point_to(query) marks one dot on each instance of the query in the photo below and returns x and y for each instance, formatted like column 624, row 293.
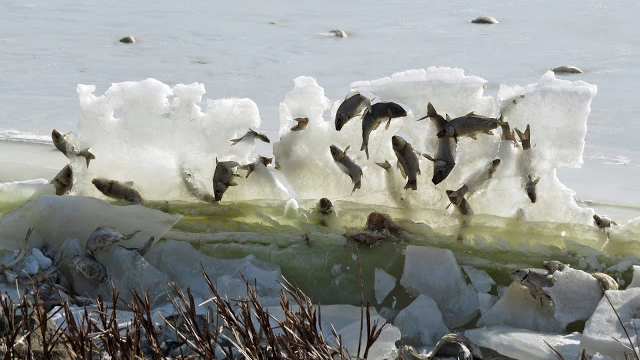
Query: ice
column 486, row 302
column 479, row 278
column 382, row 349
column 57, row 218
column 603, row 332
column 435, row 273
column 383, row 284
column 635, row 282
column 43, row 261
column 421, row 322
column 526, row 344
column 29, row 266
column 575, row 295
column 517, row 308
column 146, row 132
column 181, row 262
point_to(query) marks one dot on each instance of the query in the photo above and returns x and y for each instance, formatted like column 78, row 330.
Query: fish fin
column 375, row 126
column 235, row 141
column 614, row 222
column 447, row 117
column 527, row 132
column 536, row 180
column 388, row 123
column 366, row 151
column 232, row 183
column 356, row 185
column 87, row 155
column 500, row 121
column 344, row 152
column 402, row 172
column 471, row 114
column 277, row 166
column 473, row 136
column 422, row 118
column 431, row 111
column 441, row 134
column 385, row 165
column 129, row 183
column 429, row 157
column 413, row 185
column 216, row 159
column 489, row 132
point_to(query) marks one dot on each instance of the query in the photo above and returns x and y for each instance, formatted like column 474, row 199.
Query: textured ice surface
column 383, row 284
column 526, row 344
column 603, row 332
column 421, row 322
column 181, row 262
column 575, row 295
column 635, row 282
column 382, row 349
column 479, row 278
column 57, row 218
column 518, row 309
column 435, row 273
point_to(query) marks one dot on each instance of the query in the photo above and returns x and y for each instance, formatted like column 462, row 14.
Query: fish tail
column 356, row 185
column 234, row 141
column 87, row 155
column 411, row 184
column 431, row 111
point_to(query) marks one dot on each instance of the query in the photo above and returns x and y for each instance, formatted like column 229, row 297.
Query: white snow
column 575, row 295
column 635, row 281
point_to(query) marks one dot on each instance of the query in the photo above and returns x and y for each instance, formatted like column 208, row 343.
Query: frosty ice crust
column 146, row 132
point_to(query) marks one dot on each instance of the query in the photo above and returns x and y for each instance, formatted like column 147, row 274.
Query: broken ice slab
column 57, row 218
column 421, row 322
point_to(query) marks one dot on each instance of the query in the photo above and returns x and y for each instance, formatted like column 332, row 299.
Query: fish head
column 531, row 191
column 394, row 110
column 336, row 153
column 519, row 275
column 218, row 190
column 496, row 162
column 265, row 160
column 263, row 137
column 209, row 198
column 398, row 143
column 67, row 173
column 341, row 120
column 101, row 184
column 597, row 220
column 440, row 171
column 325, row 206
column 56, row 136
column 454, row 197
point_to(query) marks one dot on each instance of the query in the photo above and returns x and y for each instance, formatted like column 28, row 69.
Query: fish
column 301, row 124
column 103, row 237
column 379, row 113
column 251, row 135
column 602, row 222
column 534, row 280
column 352, row 105
column 90, row 268
column 347, row 165
column 196, row 187
column 485, row 20
column 567, row 70
column 457, row 199
column 62, row 143
column 63, row 182
column 553, row 265
column 252, row 166
column 525, row 138
column 444, row 161
column 223, row 177
column 408, row 159
column 117, row 190
column 530, row 187
column 480, row 177
column 469, row 125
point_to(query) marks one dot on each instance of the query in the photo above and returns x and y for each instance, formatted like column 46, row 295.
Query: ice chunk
column 434, row 272
column 603, row 332
column 181, row 262
column 635, row 282
column 575, row 295
column 382, row 349
column 134, row 127
column 383, row 284
column 517, row 308
column 479, row 278
column 421, row 322
column 29, row 266
column 57, row 218
column 43, row 261
column 526, row 344
column 486, row 302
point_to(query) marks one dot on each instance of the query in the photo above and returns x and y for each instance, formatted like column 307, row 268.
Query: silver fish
column 196, row 187
column 117, row 190
column 479, row 178
column 90, row 268
column 223, row 177
column 63, row 182
column 380, row 112
column 347, row 165
column 603, row 222
column 469, row 125
column 530, row 187
column 457, row 199
column 553, row 265
column 534, row 280
column 103, row 237
column 444, row 161
column 252, row 166
column 352, row 105
column 251, row 135
column 408, row 159
column 606, row 282
column 456, row 346
column 302, row 124
column 61, row 141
